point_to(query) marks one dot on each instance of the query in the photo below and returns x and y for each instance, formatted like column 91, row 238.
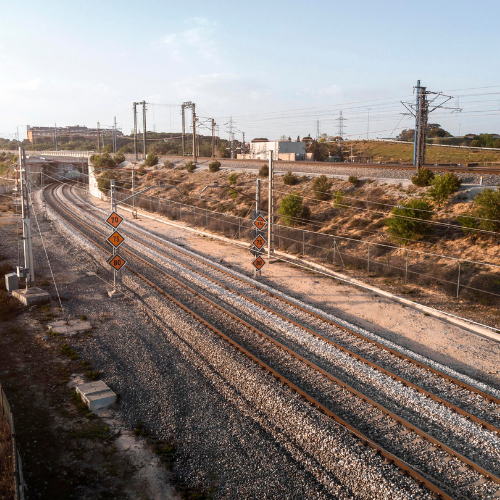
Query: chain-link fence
column 438, row 273
column 19, row 484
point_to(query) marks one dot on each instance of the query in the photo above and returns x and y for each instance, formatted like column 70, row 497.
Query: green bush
column 232, row 178
column 119, row 158
column 264, row 170
column 321, row 188
column 104, row 180
column 190, row 166
column 487, row 207
column 306, row 212
column 423, row 178
column 151, row 160
column 407, row 220
column 103, row 161
column 214, row 166
column 338, row 201
column 290, row 179
column 168, row 164
column 443, row 186
column 291, row 207
column 353, row 180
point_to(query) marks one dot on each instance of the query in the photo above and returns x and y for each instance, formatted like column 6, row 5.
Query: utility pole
column 135, row 131
column 270, row 213
column 257, row 199
column 114, row 136
column 183, row 105
column 144, row 128
column 243, row 144
column 194, row 132
column 98, row 138
column 213, row 138
column 55, row 135
column 317, row 129
column 420, row 110
column 28, row 271
column 231, row 137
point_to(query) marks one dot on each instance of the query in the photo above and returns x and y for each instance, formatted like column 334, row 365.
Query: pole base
column 115, row 294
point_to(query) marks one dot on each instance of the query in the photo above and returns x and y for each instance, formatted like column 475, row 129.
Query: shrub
column 190, row 166
column 232, row 178
column 119, row 158
column 487, row 204
column 321, row 188
column 468, row 223
column 103, row 161
column 353, row 180
column 423, row 178
column 151, row 160
column 104, row 180
column 443, row 186
column 306, row 213
column 407, row 221
column 214, row 166
column 496, row 144
column 264, row 170
column 290, row 208
column 338, row 201
column 290, row 179
column 168, row 164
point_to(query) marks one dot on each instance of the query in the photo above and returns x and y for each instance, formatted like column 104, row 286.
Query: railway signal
column 259, row 242
column 259, row 263
column 260, row 223
column 114, row 220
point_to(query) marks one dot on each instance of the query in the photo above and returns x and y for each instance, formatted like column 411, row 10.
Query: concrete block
column 70, row 327
column 96, row 395
column 11, row 282
column 32, row 296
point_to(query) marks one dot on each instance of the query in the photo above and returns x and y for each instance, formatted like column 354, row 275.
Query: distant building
column 308, row 140
column 67, row 133
column 282, row 150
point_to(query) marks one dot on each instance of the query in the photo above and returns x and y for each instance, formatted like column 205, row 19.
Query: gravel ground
column 402, row 396
column 236, row 428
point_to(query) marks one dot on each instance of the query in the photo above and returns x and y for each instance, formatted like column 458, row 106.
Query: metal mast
column 135, row 131
column 144, row 109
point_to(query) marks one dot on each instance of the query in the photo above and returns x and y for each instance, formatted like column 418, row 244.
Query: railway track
column 352, row 379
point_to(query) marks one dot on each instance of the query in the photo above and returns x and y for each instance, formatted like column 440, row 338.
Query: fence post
column 334, row 250
column 368, row 263
column 458, row 281
column 239, row 228
column 303, row 242
column 406, row 268
column 206, row 218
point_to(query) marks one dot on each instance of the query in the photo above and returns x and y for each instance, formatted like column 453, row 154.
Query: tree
column 222, row 150
column 407, row 220
column 298, row 138
column 321, row 188
column 190, row 166
column 290, row 208
column 319, row 150
column 264, row 170
column 232, row 178
column 151, row 160
column 487, row 208
column 290, row 179
column 406, row 135
column 443, row 186
column 435, row 130
column 102, row 161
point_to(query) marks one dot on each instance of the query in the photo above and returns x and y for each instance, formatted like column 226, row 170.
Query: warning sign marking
column 117, row 262
column 259, row 263
column 116, row 239
column 114, row 220
column 260, row 223
column 259, row 242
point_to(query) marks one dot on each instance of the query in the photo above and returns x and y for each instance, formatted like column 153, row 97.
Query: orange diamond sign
column 117, row 262
column 259, row 263
column 260, row 223
column 114, row 219
column 116, row 239
column 259, row 242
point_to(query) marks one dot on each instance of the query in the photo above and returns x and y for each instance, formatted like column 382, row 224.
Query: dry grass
column 6, row 462
column 403, row 153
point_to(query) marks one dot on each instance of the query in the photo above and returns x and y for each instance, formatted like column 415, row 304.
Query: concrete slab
column 96, row 395
column 70, row 327
column 115, row 294
column 32, row 296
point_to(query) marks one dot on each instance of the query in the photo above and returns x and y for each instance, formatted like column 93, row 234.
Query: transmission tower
column 420, row 109
column 340, row 126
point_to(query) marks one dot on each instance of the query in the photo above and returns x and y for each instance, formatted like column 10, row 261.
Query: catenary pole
column 270, row 214
column 144, row 129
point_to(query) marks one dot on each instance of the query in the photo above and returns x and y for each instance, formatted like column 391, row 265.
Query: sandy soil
column 432, row 337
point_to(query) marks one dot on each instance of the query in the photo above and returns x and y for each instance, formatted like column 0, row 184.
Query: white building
column 282, row 150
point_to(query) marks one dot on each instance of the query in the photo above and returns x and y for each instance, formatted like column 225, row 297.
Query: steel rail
column 339, row 382
column 407, row 468
column 395, row 353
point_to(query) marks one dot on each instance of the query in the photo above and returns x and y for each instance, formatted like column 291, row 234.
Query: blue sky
column 276, row 67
